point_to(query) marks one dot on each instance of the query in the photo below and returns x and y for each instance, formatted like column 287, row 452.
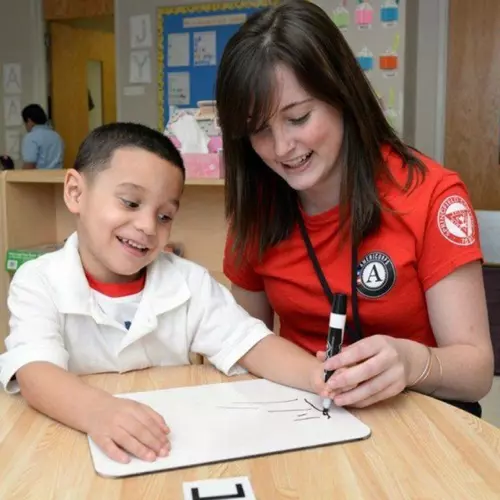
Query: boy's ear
column 74, row 185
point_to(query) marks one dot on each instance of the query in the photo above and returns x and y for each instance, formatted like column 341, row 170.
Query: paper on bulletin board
column 178, row 89
column 178, row 49
column 134, row 90
column 12, row 111
column 217, row 20
column 140, row 66
column 140, row 32
column 205, row 48
column 13, row 143
column 12, row 79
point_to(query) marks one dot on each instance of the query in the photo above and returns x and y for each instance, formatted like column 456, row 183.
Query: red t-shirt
column 433, row 232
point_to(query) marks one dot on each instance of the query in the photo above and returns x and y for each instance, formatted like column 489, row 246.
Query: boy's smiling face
column 125, row 212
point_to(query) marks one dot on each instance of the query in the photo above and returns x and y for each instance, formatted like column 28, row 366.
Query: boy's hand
column 120, row 425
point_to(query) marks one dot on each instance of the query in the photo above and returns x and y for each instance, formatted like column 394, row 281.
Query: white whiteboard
column 227, row 421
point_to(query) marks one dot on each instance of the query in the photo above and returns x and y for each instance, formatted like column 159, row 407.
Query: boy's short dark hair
column 97, row 149
column 6, row 163
column 35, row 113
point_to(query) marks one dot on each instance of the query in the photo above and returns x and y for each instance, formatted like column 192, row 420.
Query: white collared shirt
column 55, row 317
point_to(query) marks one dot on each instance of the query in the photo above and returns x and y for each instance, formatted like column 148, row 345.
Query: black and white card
column 219, row 489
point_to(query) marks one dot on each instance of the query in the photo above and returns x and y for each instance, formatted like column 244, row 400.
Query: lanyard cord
column 355, row 333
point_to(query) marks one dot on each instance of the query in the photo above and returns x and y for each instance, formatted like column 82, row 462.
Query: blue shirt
column 44, row 147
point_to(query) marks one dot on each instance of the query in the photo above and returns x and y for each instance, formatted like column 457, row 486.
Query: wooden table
column 420, row 449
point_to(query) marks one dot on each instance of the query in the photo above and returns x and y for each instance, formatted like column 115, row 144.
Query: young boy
column 111, row 301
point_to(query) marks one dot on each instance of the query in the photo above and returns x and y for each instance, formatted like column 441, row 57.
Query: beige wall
column 22, row 41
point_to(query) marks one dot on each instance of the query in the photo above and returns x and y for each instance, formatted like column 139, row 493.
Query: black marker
column 335, row 336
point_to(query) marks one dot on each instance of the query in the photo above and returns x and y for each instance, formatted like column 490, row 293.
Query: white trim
column 118, row 62
column 337, row 321
column 39, row 51
column 440, row 130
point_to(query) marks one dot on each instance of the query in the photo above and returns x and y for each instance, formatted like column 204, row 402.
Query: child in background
column 111, row 301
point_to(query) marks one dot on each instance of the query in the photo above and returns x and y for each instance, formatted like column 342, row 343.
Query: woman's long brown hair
column 261, row 207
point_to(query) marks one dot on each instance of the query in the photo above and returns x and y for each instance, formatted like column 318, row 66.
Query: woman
column 324, row 197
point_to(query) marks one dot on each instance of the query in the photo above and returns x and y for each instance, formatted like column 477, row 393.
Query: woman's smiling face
column 301, row 140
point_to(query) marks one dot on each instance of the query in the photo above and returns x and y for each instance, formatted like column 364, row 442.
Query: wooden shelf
column 36, row 176
column 57, row 177
column 205, row 182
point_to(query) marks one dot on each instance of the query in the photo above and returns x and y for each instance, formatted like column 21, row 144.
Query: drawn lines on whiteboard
column 308, row 411
column 265, row 402
column 239, row 407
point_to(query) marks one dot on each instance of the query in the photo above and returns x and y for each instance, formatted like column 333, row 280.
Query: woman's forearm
column 457, row 372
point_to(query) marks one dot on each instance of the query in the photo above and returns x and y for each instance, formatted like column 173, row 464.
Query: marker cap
column 339, row 305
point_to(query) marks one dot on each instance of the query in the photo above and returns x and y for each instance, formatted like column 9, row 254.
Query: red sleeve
column 241, row 273
column 451, row 235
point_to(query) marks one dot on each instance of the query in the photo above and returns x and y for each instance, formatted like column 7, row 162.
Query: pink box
column 203, row 165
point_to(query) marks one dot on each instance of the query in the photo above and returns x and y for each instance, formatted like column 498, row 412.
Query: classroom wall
column 423, row 92
column 430, row 76
column 21, row 41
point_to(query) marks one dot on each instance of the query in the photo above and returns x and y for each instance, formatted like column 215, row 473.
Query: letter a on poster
column 12, row 111
column 12, row 79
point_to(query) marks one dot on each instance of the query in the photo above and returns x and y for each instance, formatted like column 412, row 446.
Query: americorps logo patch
column 456, row 221
column 376, row 275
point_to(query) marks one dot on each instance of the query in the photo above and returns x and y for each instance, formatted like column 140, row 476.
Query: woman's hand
column 326, row 392
column 371, row 370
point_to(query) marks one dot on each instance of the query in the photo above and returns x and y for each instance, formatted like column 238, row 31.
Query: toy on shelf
column 215, row 144
column 16, row 257
column 206, row 116
column 175, row 141
column 196, row 134
column 201, row 120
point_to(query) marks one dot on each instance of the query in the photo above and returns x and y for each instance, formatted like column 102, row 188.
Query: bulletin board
column 191, row 40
